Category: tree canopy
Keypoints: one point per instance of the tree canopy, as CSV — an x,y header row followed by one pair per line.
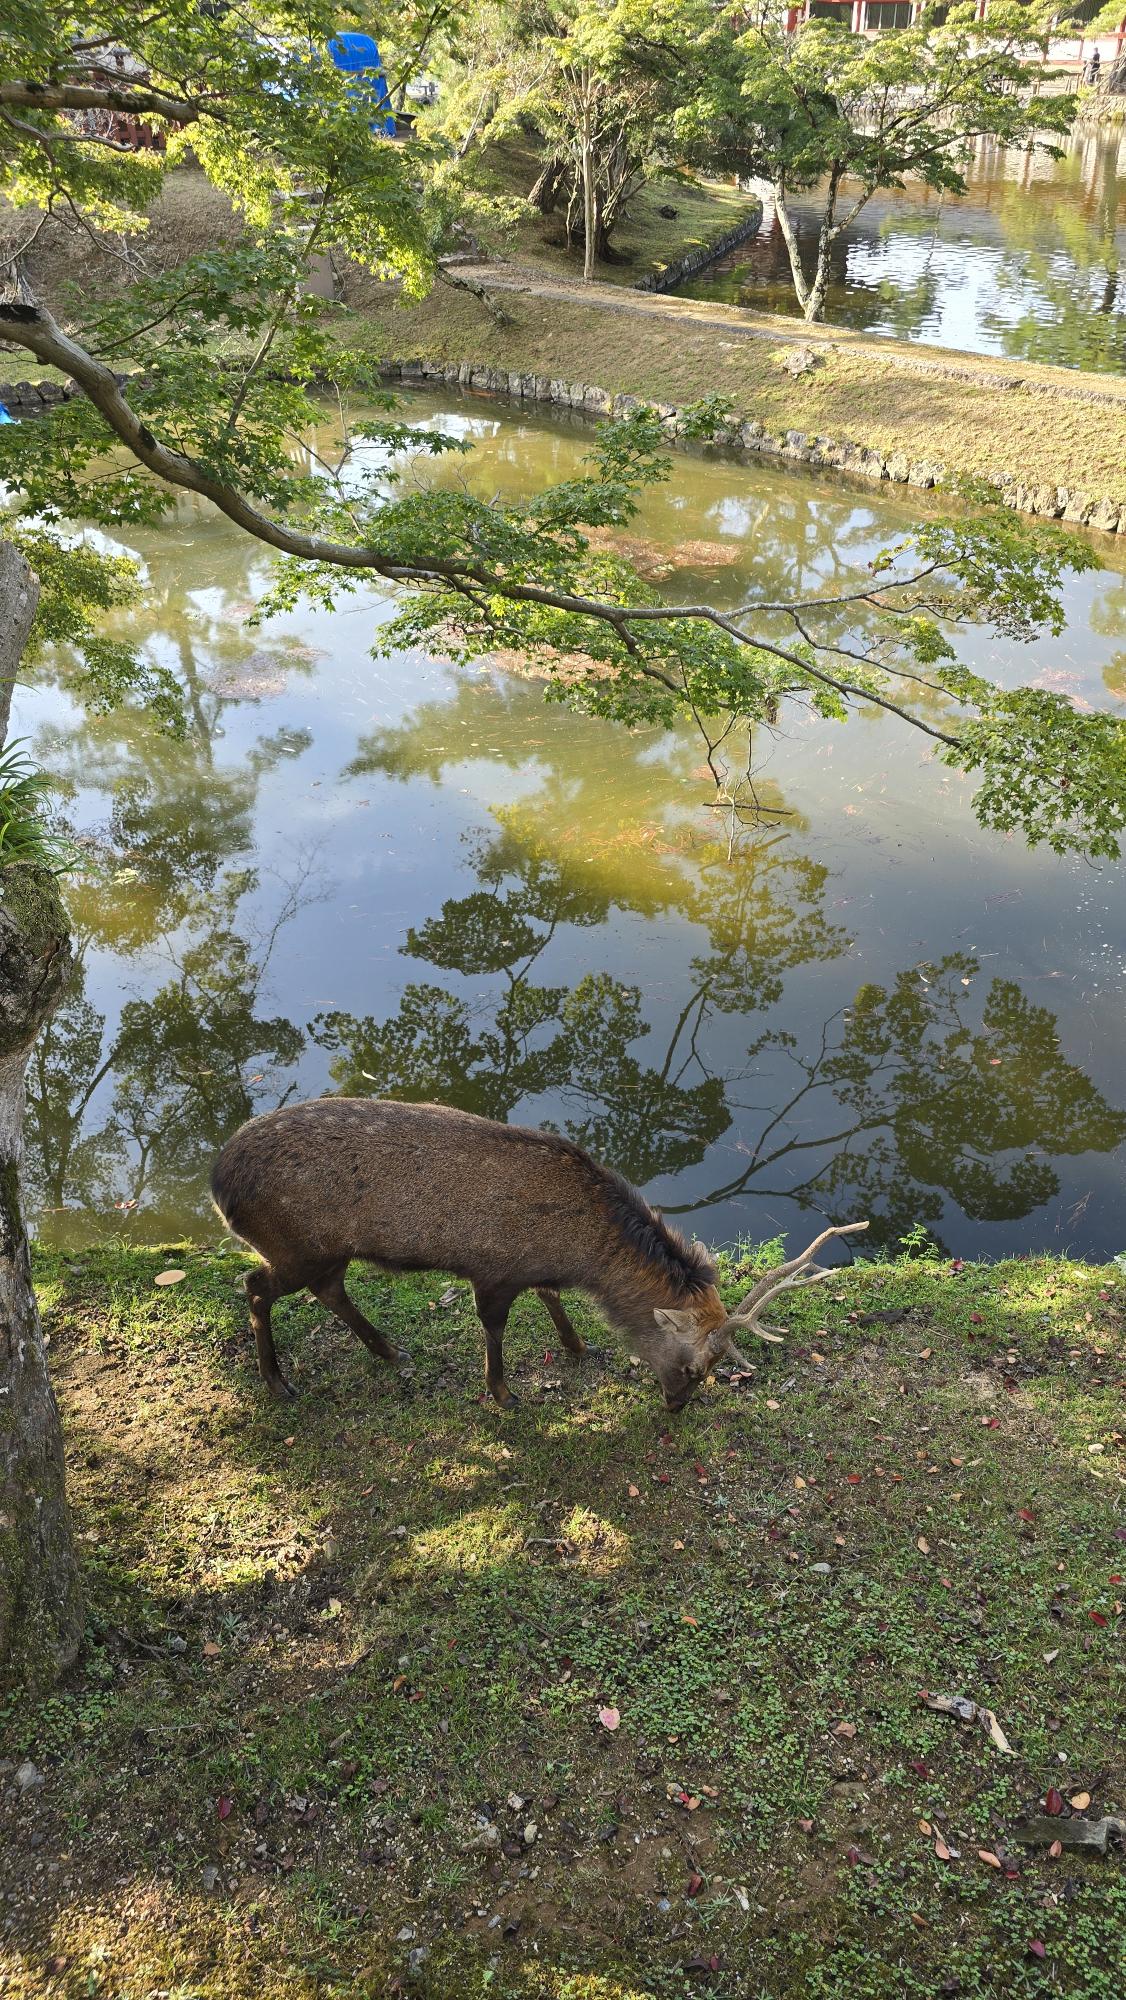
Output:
x,y
204,378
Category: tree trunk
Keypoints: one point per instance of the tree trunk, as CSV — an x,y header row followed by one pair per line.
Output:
x,y
590,232
40,1606
789,237
544,192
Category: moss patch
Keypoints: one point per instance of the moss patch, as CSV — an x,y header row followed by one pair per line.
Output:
x,y
336,1726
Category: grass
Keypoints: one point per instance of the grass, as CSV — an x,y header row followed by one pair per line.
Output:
x,y
336,1727
977,417
644,242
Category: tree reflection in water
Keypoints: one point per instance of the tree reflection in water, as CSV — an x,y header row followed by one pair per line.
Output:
x,y
944,1087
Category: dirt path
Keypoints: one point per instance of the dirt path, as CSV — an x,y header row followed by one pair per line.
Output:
x,y
948,364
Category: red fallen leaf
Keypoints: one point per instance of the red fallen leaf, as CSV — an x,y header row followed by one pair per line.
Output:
x,y
1097,1617
223,1807
1055,1850
853,1478
1120,1534
548,1357
975,1319
695,1884
806,1825
701,1474
1053,1801
920,1769
852,1856
662,1478
1036,1949
1026,1514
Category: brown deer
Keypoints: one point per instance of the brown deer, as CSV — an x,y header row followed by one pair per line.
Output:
x,y
419,1187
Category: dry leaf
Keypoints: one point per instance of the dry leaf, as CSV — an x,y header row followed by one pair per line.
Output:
x,y
941,1849
923,1545
990,1859
169,1277
1080,1800
609,1718
799,1485
771,1404
210,1650
844,1729
1056,1849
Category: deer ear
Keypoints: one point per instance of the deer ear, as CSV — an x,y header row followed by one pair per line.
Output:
x,y
675,1320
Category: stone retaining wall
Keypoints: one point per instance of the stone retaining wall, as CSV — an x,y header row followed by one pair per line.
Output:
x,y
754,440
671,275
1058,503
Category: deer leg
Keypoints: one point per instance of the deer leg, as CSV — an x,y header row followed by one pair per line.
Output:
x,y
263,1286
331,1293
572,1340
494,1303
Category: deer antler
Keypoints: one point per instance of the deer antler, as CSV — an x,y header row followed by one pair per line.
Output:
x,y
785,1277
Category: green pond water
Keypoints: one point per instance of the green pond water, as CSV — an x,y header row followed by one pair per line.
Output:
x,y
1030,263
397,877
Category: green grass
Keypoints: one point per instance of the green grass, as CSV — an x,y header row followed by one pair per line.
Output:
x,y
645,240
391,1609
1049,426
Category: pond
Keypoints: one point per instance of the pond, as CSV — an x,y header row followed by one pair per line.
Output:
x,y
390,876
1029,263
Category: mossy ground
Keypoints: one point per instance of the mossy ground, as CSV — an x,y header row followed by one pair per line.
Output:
x,y
330,1641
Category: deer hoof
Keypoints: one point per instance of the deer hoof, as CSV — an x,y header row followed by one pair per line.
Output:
x,y
281,1390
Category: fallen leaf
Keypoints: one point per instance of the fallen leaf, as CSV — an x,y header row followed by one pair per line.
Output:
x,y
1026,1514
169,1277
1053,1801
609,1718
1097,1617
210,1650
925,1353
1056,1849
1037,1949
923,1545
806,1825
987,1855
633,1491
223,1807
1053,1655
771,1404
1080,1800
799,1485
844,1729
941,1849
695,1884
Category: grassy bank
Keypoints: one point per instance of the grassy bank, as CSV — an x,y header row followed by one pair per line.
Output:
x,y
644,242
337,1725
976,416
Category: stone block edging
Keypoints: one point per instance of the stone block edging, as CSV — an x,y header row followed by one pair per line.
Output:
x,y
751,439
671,275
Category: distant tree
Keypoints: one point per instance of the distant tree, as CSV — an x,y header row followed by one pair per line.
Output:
x,y
818,108
596,93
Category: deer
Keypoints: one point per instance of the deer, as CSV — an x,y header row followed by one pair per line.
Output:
x,y
424,1187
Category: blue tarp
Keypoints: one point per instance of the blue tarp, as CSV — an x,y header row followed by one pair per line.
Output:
x,y
358,55
6,416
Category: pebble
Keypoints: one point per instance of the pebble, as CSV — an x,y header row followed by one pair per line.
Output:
x,y
29,1777
210,1877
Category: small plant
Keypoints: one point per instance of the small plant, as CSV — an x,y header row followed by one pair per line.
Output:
x,y
23,836
919,1244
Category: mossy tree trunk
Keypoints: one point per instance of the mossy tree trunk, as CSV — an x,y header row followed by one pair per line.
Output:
x,y
40,1608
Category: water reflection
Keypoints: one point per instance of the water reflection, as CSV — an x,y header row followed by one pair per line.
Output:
x,y
1027,263
387,876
